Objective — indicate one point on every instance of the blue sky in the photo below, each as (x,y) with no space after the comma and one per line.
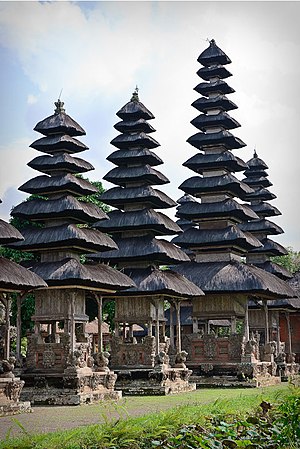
(98,51)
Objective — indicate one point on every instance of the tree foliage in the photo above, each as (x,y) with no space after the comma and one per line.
(290,262)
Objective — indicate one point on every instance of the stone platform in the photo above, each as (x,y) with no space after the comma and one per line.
(10,389)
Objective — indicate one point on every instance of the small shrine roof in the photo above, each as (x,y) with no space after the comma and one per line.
(144,175)
(58,162)
(271,248)
(262,225)
(132,156)
(200,162)
(219,86)
(9,233)
(222,119)
(213,71)
(204,104)
(125,141)
(265,209)
(256,163)
(213,55)
(14,277)
(257,181)
(149,219)
(57,143)
(119,197)
(225,138)
(275,269)
(260,194)
(134,126)
(134,110)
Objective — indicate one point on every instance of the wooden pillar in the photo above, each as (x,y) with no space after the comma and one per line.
(157,326)
(72,321)
(195,326)
(277,332)
(100,335)
(117,329)
(267,332)
(172,334)
(150,328)
(131,331)
(7,328)
(178,326)
(233,325)
(288,322)
(247,334)
(19,328)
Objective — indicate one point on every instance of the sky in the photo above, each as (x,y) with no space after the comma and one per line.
(97,52)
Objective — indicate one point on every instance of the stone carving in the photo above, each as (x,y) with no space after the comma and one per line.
(7,367)
(206,367)
(180,359)
(101,360)
(161,359)
(48,357)
(210,346)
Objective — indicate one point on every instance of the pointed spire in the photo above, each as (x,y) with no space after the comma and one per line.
(255,154)
(59,107)
(135,94)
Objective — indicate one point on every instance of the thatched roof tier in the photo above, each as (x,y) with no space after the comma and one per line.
(251,173)
(219,239)
(227,184)
(120,197)
(270,248)
(257,163)
(60,162)
(276,269)
(223,120)
(134,126)
(295,282)
(59,123)
(148,219)
(213,71)
(260,194)
(145,248)
(136,156)
(224,138)
(288,304)
(235,277)
(152,281)
(257,181)
(143,175)
(213,55)
(222,209)
(218,87)
(14,277)
(204,104)
(67,183)
(9,233)
(134,110)
(62,237)
(58,143)
(265,209)
(261,226)
(186,198)
(185,224)
(212,161)
(66,207)
(125,141)
(71,273)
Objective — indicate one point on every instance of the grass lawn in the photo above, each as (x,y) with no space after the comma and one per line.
(123,424)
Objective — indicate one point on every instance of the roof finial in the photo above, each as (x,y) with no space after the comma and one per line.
(212,41)
(59,107)
(255,154)
(135,96)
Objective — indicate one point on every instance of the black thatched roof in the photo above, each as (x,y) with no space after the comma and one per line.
(222,209)
(261,226)
(66,207)
(213,55)
(228,183)
(204,104)
(276,269)
(235,277)
(134,110)
(203,121)
(185,224)
(60,123)
(119,197)
(270,248)
(57,143)
(219,86)
(145,248)
(213,71)
(205,239)
(257,163)
(58,162)
(295,282)
(134,126)
(133,156)
(125,141)
(224,138)
(290,304)
(148,219)
(44,185)
(265,209)
(257,181)
(150,281)
(144,175)
(64,236)
(13,277)
(200,162)
(71,273)
(250,172)
(9,233)
(186,198)
(260,194)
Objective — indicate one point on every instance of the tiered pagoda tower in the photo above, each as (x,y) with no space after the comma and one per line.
(13,278)
(143,366)
(218,241)
(60,366)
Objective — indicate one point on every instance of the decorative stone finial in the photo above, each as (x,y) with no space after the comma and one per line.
(135,96)
(212,42)
(59,107)
(255,154)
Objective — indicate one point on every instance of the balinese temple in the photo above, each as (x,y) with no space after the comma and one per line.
(13,278)
(268,317)
(143,365)
(218,241)
(60,367)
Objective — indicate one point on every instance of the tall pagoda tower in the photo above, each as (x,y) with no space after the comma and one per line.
(135,224)
(13,278)
(60,366)
(218,241)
